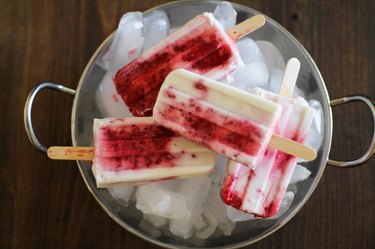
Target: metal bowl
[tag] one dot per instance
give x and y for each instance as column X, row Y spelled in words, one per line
column 85, row 110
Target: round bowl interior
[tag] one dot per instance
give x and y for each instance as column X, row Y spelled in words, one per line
column 310, row 82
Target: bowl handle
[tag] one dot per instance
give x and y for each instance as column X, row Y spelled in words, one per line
column 371, row 150
column 28, row 110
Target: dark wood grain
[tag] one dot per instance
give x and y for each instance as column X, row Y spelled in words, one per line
column 45, row 204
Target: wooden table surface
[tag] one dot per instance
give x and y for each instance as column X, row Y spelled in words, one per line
column 45, row 204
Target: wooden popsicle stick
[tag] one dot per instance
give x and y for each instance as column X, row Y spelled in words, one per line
column 292, row 147
column 87, row 153
column 286, row 89
column 290, row 78
column 246, row 27
column 71, row 153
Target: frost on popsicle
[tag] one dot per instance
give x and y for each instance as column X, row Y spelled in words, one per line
column 162, row 203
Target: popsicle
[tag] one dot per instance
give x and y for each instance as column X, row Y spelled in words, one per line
column 201, row 46
column 129, row 150
column 260, row 191
column 231, row 122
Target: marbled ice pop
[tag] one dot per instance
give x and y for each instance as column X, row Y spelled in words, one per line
column 201, row 46
column 231, row 122
column 260, row 191
column 129, row 150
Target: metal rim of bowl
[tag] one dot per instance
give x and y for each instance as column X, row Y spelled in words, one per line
column 326, row 145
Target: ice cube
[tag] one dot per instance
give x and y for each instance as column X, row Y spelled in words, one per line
column 199, row 223
column 238, row 215
column 127, row 42
column 183, row 229
column 298, row 93
column 275, row 80
column 225, row 14
column 292, row 187
column 149, row 229
column 205, row 225
column 110, row 103
column 249, row 50
column 217, row 208
column 171, row 184
column 300, row 173
column 271, row 55
column 155, row 199
column 156, row 28
column 156, row 220
column 253, row 74
column 318, row 115
column 195, row 191
column 122, row 193
column 316, row 132
column 285, row 204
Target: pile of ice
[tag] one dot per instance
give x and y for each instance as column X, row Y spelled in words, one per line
column 192, row 207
